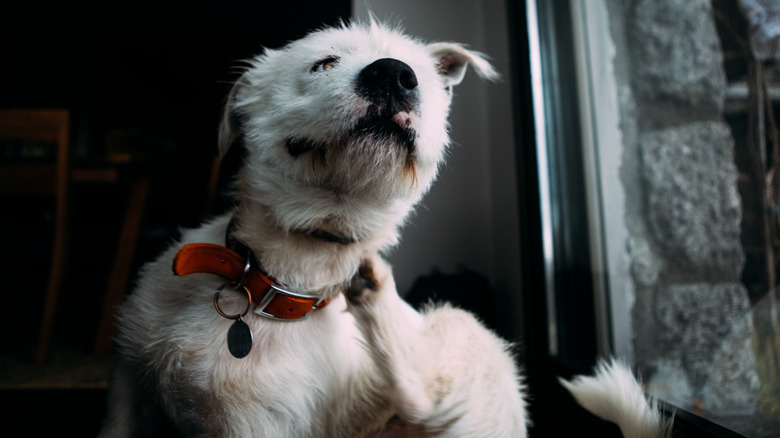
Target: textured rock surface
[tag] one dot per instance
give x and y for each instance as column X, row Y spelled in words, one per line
column 706, row 329
column 693, row 207
column 646, row 265
column 677, row 47
column 691, row 320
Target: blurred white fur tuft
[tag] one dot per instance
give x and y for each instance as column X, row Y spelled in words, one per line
column 614, row 394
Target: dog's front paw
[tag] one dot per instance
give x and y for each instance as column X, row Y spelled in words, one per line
column 371, row 276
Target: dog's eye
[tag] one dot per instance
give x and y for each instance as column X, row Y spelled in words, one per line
column 324, row 64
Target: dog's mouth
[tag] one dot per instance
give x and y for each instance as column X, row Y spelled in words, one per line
column 382, row 129
column 395, row 131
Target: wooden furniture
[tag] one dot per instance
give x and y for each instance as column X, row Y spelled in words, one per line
column 35, row 179
column 123, row 260
column 57, row 177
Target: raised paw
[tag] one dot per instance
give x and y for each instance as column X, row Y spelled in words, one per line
column 372, row 277
column 364, row 283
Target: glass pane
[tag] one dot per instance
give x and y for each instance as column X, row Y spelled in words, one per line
column 679, row 104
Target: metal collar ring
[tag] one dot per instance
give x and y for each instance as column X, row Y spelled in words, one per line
column 235, row 286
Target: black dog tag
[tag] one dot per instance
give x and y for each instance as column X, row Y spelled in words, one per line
column 239, row 338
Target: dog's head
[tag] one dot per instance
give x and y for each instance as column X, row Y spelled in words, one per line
column 344, row 129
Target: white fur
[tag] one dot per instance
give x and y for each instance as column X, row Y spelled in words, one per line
column 367, row 366
column 373, row 367
column 614, row 394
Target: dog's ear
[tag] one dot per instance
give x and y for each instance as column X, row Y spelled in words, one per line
column 452, row 59
column 230, row 123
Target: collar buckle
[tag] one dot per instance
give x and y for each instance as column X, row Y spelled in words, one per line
column 276, row 291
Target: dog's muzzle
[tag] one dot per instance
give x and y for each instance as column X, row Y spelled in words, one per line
column 390, row 85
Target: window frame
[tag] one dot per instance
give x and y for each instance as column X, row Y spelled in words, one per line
column 567, row 315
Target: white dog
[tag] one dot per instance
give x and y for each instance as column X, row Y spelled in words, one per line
column 282, row 320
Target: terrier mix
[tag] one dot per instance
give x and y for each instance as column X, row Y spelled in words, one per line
column 280, row 319
column 343, row 133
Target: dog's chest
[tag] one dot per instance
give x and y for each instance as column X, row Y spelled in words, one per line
column 299, row 376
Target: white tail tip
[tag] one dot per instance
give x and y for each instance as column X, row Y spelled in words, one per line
column 614, row 394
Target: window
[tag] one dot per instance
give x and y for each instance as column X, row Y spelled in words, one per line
column 658, row 158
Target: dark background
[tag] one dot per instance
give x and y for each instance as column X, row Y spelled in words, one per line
column 141, row 78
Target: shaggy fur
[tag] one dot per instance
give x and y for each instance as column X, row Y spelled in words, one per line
column 330, row 148
column 343, row 133
column 614, row 394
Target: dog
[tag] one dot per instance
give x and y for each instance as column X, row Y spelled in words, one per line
column 343, row 132
column 281, row 318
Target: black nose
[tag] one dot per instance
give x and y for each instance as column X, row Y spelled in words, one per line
column 389, row 83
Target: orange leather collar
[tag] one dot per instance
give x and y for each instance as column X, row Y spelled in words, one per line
column 269, row 298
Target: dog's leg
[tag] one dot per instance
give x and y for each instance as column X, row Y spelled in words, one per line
column 131, row 411
column 392, row 330
column 448, row 374
column 121, row 417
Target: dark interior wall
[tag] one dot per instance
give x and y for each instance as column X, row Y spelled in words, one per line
column 141, row 61
column 145, row 77
column 141, row 78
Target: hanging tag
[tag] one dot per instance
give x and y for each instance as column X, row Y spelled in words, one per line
column 239, row 336
column 239, row 339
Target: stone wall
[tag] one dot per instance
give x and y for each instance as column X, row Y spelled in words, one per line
column 691, row 317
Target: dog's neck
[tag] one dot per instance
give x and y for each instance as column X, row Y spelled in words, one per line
column 233, row 243
column 320, row 263
column 319, row 233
